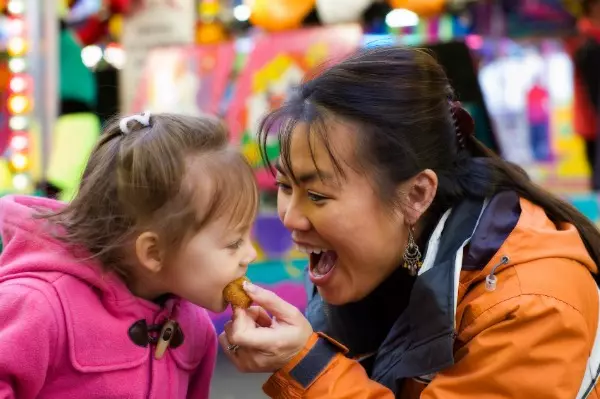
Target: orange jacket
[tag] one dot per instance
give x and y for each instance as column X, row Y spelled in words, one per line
column 531, row 337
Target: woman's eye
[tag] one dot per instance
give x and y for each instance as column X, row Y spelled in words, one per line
column 316, row 197
column 236, row 245
column 286, row 188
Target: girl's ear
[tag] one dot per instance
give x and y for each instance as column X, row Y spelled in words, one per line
column 148, row 252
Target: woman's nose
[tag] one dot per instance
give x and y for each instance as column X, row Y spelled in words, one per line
column 293, row 218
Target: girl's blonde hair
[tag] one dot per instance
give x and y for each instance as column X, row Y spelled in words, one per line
column 138, row 180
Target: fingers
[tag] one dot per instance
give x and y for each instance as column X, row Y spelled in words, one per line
column 244, row 320
column 225, row 344
column 243, row 331
column 223, row 341
column 283, row 311
column 245, row 360
column 260, row 316
column 262, row 347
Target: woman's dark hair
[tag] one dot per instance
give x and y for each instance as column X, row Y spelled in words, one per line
column 399, row 99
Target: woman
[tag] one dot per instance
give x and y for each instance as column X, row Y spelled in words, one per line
column 438, row 270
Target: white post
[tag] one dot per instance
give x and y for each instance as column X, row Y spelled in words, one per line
column 43, row 23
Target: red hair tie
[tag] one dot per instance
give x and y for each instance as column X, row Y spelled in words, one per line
column 463, row 123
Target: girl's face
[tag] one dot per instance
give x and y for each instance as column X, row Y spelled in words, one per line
column 207, row 260
column 354, row 239
column 211, row 259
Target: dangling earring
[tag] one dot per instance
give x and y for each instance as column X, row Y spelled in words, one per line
column 412, row 254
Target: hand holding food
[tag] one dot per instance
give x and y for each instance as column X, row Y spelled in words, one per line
column 255, row 342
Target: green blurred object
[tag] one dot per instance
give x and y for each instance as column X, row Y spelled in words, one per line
column 77, row 82
column 74, row 138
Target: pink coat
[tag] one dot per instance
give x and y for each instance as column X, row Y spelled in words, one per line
column 64, row 325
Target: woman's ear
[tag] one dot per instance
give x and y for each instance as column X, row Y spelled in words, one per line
column 419, row 193
column 148, row 252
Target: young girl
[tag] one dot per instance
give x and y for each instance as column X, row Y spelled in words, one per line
column 104, row 297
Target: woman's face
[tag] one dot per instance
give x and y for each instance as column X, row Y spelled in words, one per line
column 354, row 239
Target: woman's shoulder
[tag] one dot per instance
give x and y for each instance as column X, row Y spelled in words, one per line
column 562, row 279
column 527, row 290
column 537, row 257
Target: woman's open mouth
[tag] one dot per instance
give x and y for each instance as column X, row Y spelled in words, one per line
column 322, row 263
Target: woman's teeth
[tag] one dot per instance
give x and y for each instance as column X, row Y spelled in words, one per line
column 310, row 250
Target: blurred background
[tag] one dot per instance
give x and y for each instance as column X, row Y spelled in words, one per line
column 66, row 66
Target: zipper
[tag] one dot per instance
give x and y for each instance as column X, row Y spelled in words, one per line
column 491, row 281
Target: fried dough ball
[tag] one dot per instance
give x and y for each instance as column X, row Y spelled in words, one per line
column 234, row 293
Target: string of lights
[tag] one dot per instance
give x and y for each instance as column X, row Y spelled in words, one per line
column 20, row 100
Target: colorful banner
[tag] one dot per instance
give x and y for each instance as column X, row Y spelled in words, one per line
column 277, row 63
column 190, row 80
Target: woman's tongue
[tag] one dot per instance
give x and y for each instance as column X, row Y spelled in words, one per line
column 323, row 263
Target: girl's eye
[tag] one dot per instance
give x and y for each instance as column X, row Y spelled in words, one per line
column 316, row 197
column 286, row 188
column 236, row 245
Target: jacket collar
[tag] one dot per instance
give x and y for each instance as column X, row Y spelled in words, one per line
column 421, row 341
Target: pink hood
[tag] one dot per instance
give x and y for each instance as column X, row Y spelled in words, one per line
column 75, row 323
column 23, row 233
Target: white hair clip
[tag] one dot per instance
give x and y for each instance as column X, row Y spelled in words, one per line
column 143, row 118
